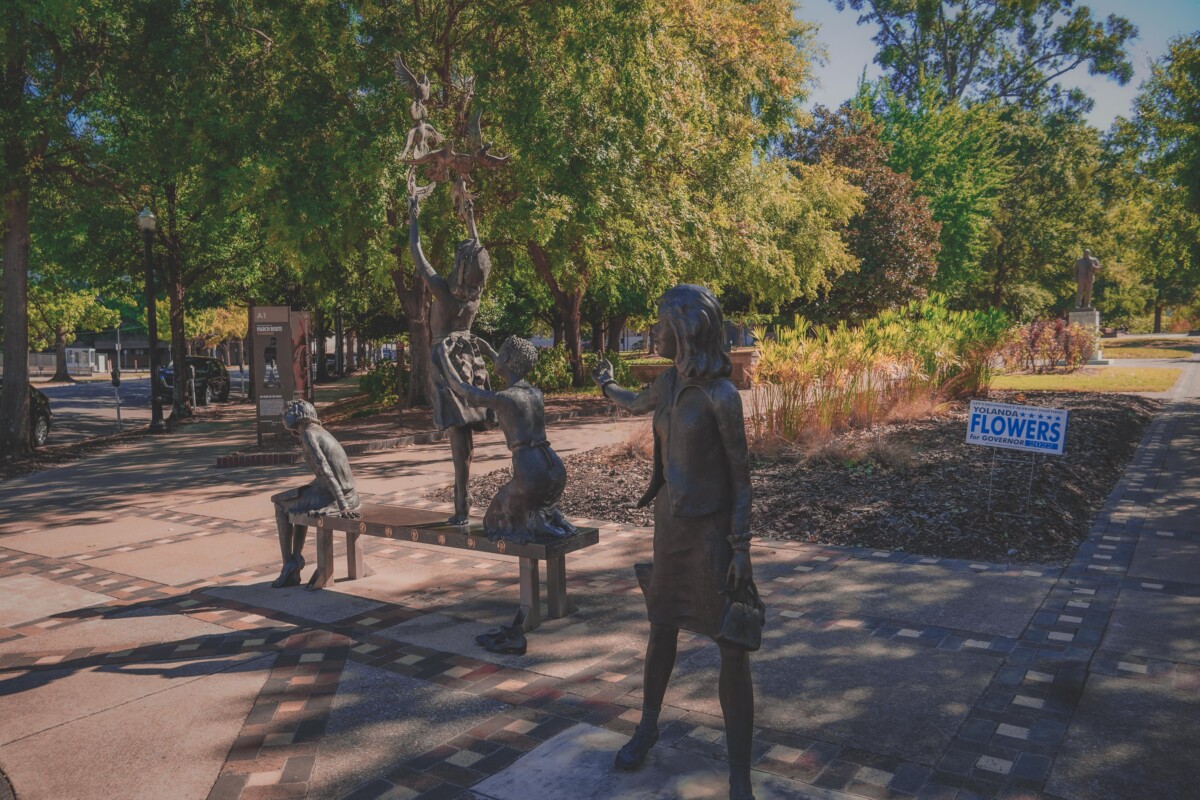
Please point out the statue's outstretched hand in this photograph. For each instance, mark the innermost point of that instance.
(350, 513)
(603, 372)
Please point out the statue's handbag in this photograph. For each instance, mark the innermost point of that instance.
(745, 615)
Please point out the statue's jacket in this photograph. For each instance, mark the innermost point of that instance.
(699, 449)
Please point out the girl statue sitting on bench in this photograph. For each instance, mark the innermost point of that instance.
(331, 491)
(525, 508)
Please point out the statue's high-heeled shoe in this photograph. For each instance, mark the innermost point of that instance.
(633, 754)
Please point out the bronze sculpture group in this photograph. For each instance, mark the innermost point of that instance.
(701, 578)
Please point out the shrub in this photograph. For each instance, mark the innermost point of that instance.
(383, 384)
(552, 373)
(813, 380)
(1049, 344)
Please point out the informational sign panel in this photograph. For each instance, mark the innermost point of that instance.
(1032, 428)
(302, 359)
(280, 363)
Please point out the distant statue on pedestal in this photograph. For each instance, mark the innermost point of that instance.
(1085, 277)
(331, 491)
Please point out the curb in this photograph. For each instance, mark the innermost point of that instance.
(378, 445)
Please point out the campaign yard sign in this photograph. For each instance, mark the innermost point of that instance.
(1041, 430)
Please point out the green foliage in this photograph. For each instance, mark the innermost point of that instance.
(894, 236)
(55, 314)
(383, 384)
(1153, 209)
(995, 49)
(1049, 211)
(810, 380)
(954, 156)
(552, 373)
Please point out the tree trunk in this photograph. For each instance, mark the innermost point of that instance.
(60, 357)
(351, 362)
(616, 325)
(569, 303)
(1158, 315)
(181, 396)
(414, 297)
(339, 344)
(14, 400)
(558, 328)
(319, 346)
(572, 321)
(597, 335)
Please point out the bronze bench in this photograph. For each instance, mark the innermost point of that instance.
(427, 527)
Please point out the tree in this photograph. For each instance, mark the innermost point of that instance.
(639, 132)
(49, 68)
(57, 313)
(894, 237)
(1168, 116)
(953, 154)
(1006, 50)
(1152, 177)
(1049, 211)
(184, 119)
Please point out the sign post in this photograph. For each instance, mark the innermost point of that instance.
(1032, 430)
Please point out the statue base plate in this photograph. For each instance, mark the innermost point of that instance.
(1089, 318)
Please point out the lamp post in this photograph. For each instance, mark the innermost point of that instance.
(147, 222)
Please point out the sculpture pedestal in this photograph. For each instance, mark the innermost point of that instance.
(1089, 318)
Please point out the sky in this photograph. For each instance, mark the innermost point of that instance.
(850, 51)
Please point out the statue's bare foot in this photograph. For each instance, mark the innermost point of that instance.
(459, 519)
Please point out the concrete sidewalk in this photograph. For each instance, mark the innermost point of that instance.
(143, 654)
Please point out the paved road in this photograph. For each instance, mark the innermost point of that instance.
(82, 410)
(85, 409)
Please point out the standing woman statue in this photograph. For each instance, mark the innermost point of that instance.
(456, 301)
(701, 493)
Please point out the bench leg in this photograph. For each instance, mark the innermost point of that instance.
(531, 591)
(324, 571)
(356, 566)
(556, 588)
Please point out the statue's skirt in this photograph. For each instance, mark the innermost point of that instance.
(691, 566)
(450, 410)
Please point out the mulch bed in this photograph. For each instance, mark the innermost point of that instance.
(912, 486)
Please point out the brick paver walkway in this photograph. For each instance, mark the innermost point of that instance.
(148, 659)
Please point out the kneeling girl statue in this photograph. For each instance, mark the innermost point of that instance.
(701, 494)
(525, 508)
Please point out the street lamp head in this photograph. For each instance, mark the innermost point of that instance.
(146, 220)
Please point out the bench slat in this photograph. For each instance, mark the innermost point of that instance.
(426, 527)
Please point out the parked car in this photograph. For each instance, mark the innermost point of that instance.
(212, 379)
(39, 416)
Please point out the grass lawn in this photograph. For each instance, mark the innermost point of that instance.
(1147, 348)
(1098, 379)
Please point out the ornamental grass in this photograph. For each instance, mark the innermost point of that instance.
(811, 381)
